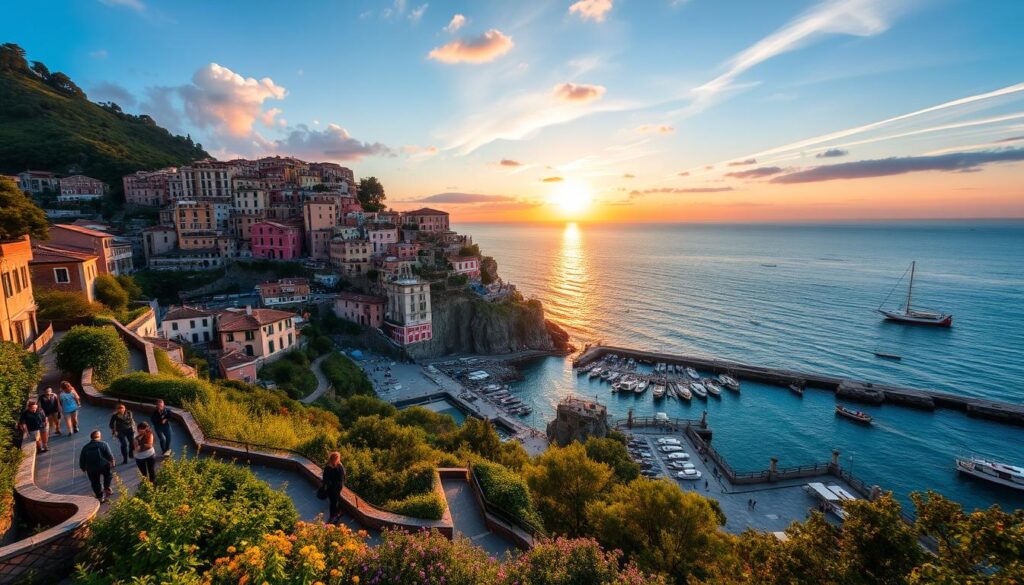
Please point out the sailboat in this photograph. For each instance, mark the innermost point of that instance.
(912, 316)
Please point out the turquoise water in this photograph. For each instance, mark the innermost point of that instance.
(702, 289)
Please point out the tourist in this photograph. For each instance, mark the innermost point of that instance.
(333, 482)
(70, 403)
(33, 422)
(96, 461)
(145, 454)
(122, 423)
(50, 405)
(161, 418)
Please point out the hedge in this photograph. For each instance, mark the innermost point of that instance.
(430, 506)
(172, 389)
(508, 491)
(165, 365)
(19, 374)
(99, 348)
(291, 373)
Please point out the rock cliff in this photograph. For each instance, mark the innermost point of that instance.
(464, 323)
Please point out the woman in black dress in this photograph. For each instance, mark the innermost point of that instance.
(333, 482)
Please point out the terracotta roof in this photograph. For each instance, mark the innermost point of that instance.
(186, 312)
(348, 296)
(235, 359)
(82, 230)
(426, 211)
(158, 228)
(46, 254)
(164, 344)
(240, 320)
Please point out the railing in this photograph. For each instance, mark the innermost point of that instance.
(499, 512)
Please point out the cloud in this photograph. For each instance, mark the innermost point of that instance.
(670, 190)
(457, 22)
(458, 198)
(655, 129)
(267, 118)
(755, 173)
(577, 92)
(552, 179)
(684, 174)
(111, 92)
(224, 100)
(159, 103)
(507, 162)
(136, 5)
(743, 163)
(99, 54)
(1011, 139)
(482, 49)
(595, 10)
(628, 176)
(832, 153)
(954, 161)
(333, 143)
(417, 13)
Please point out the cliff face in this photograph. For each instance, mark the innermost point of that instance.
(466, 324)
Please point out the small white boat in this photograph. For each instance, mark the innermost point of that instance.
(712, 388)
(683, 392)
(692, 373)
(614, 376)
(607, 375)
(699, 389)
(595, 372)
(728, 381)
(659, 391)
(1010, 476)
(641, 387)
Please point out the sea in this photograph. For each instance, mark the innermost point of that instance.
(801, 297)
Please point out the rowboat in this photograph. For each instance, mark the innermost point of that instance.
(659, 391)
(855, 415)
(796, 389)
(699, 389)
(692, 373)
(712, 388)
(729, 382)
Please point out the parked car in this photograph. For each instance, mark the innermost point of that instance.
(678, 455)
(668, 441)
(688, 474)
(671, 449)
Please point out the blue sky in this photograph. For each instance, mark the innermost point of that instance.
(625, 101)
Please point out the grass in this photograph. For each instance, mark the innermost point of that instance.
(222, 417)
(345, 376)
(165, 365)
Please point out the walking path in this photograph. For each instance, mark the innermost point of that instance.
(469, 519)
(322, 383)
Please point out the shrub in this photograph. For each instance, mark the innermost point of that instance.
(110, 293)
(172, 532)
(426, 557)
(430, 506)
(291, 374)
(508, 491)
(59, 304)
(565, 561)
(99, 348)
(128, 284)
(345, 376)
(165, 365)
(351, 409)
(174, 390)
(20, 215)
(19, 374)
(221, 417)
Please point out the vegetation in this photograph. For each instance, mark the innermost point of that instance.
(165, 365)
(345, 376)
(614, 454)
(564, 482)
(110, 292)
(429, 505)
(335, 325)
(166, 286)
(59, 304)
(18, 214)
(197, 361)
(174, 390)
(47, 123)
(473, 250)
(291, 374)
(19, 373)
(199, 510)
(371, 194)
(99, 348)
(506, 489)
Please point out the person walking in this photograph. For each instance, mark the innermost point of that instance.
(33, 422)
(50, 405)
(70, 404)
(333, 482)
(96, 461)
(161, 419)
(122, 424)
(145, 454)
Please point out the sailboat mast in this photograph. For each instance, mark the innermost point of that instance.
(910, 288)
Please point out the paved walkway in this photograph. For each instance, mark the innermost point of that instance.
(322, 384)
(469, 521)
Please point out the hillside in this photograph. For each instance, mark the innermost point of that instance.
(47, 123)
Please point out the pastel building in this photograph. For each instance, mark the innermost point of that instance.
(18, 309)
(319, 217)
(382, 238)
(115, 255)
(158, 240)
(188, 324)
(467, 265)
(285, 291)
(362, 309)
(407, 318)
(426, 220)
(149, 188)
(277, 241)
(261, 333)
(351, 256)
(81, 188)
(64, 269)
(37, 182)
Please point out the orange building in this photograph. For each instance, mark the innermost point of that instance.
(58, 268)
(18, 309)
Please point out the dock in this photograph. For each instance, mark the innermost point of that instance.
(852, 390)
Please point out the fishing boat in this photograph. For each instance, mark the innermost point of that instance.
(683, 392)
(659, 391)
(856, 415)
(641, 387)
(729, 382)
(614, 376)
(712, 387)
(1010, 476)
(908, 314)
(627, 385)
(699, 389)
(796, 389)
(692, 373)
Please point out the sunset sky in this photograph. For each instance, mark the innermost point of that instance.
(597, 110)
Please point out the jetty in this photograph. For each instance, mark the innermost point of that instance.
(852, 390)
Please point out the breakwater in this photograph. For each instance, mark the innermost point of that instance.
(853, 390)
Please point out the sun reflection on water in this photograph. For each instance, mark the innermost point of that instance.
(569, 282)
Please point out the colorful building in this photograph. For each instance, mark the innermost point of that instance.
(115, 255)
(81, 188)
(57, 268)
(426, 220)
(277, 241)
(285, 291)
(382, 237)
(407, 317)
(18, 309)
(188, 324)
(261, 333)
(37, 182)
(467, 265)
(351, 256)
(362, 309)
(149, 188)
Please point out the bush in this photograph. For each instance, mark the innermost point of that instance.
(508, 491)
(165, 365)
(198, 511)
(128, 284)
(291, 373)
(430, 506)
(426, 557)
(19, 373)
(565, 561)
(345, 376)
(99, 348)
(110, 293)
(222, 417)
(59, 304)
(20, 215)
(174, 390)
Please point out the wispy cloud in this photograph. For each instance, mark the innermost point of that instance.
(463, 198)
(507, 162)
(595, 10)
(578, 92)
(677, 190)
(757, 173)
(417, 13)
(956, 161)
(743, 163)
(107, 91)
(832, 153)
(333, 143)
(655, 129)
(482, 49)
(136, 5)
(457, 22)
(98, 54)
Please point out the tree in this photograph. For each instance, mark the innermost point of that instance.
(806, 557)
(663, 528)
(19, 215)
(564, 481)
(110, 293)
(19, 373)
(128, 284)
(371, 194)
(61, 304)
(614, 454)
(876, 545)
(99, 348)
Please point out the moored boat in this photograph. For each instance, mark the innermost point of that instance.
(595, 372)
(1010, 476)
(641, 387)
(683, 392)
(729, 382)
(712, 387)
(692, 373)
(796, 389)
(699, 389)
(910, 316)
(659, 391)
(855, 415)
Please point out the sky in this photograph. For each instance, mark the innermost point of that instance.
(591, 110)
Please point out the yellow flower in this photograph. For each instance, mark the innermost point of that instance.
(335, 573)
(143, 536)
(355, 578)
(231, 550)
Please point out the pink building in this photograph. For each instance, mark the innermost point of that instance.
(277, 241)
(363, 309)
(148, 188)
(407, 250)
(81, 188)
(426, 220)
(468, 265)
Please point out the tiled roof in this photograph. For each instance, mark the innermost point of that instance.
(186, 312)
(426, 211)
(164, 344)
(235, 359)
(349, 296)
(82, 230)
(240, 320)
(46, 254)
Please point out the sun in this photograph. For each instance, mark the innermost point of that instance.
(572, 198)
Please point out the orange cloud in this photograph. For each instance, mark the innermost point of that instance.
(594, 10)
(456, 23)
(486, 47)
(578, 92)
(552, 179)
(225, 100)
(655, 129)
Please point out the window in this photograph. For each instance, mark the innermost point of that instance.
(195, 338)
(192, 324)
(60, 276)
(271, 346)
(231, 337)
(174, 326)
(204, 322)
(24, 277)
(250, 335)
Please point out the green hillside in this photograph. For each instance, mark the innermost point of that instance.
(47, 123)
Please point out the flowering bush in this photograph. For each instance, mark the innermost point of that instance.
(426, 558)
(566, 561)
(198, 509)
(313, 553)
